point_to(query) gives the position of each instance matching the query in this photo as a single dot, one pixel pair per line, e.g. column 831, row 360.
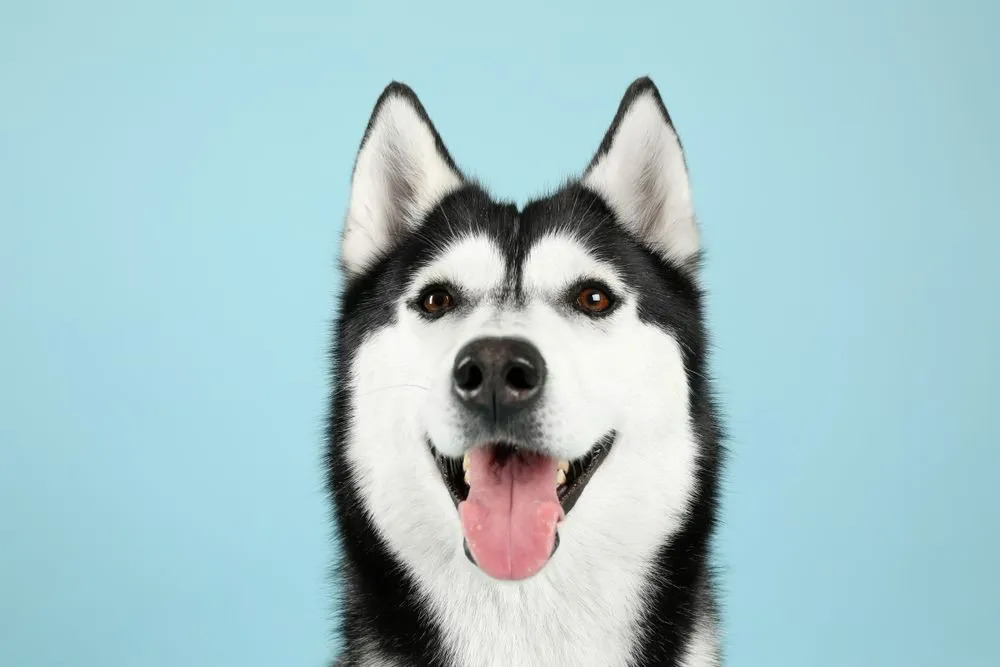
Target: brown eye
column 593, row 300
column 436, row 302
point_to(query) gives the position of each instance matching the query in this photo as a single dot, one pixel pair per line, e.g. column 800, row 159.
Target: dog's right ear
column 640, row 170
column 402, row 171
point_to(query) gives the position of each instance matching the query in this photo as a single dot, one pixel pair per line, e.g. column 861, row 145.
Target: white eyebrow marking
column 474, row 263
column 557, row 261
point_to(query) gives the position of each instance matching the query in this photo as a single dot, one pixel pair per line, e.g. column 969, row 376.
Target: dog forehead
column 474, row 242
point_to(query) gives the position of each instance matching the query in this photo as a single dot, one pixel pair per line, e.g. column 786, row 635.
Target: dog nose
column 498, row 377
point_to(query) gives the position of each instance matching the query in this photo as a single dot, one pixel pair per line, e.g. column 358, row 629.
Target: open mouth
column 510, row 501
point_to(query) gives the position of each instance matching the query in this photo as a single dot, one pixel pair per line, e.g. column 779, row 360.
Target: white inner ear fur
column 399, row 176
column 644, row 179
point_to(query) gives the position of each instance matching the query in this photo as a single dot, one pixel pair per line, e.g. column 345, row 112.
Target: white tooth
column 564, row 466
column 560, row 477
column 466, row 477
column 465, row 463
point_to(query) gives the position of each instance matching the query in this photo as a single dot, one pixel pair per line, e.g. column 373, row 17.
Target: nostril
column 522, row 377
column 497, row 375
column 468, row 376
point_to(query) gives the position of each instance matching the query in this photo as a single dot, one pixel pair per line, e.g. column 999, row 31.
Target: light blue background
column 172, row 182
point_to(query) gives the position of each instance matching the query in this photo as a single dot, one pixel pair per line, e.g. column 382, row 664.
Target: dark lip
column 581, row 471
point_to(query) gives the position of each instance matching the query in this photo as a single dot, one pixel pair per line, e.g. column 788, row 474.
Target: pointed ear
column 640, row 171
column 402, row 172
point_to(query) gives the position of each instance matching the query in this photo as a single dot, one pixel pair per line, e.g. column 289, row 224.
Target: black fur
column 381, row 605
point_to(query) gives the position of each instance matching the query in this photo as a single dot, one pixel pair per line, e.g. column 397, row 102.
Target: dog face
column 517, row 382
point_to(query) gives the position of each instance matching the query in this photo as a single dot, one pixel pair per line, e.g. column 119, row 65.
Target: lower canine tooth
column 560, row 476
column 465, row 463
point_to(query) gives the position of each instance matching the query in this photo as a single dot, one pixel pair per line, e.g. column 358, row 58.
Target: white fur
column 703, row 649
column 473, row 262
column 617, row 373
column 644, row 179
column 398, row 177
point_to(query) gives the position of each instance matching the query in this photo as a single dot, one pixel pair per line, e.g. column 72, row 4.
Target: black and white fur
column 630, row 583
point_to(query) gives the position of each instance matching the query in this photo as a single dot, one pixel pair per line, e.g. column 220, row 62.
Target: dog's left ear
column 640, row 171
column 402, row 171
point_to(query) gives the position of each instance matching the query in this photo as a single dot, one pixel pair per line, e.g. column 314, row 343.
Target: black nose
column 498, row 377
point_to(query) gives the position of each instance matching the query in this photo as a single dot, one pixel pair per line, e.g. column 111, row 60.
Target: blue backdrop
column 172, row 184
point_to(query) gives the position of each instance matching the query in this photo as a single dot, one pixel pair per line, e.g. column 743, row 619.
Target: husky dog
column 523, row 447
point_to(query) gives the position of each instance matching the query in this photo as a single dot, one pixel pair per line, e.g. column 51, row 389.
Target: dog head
column 519, row 383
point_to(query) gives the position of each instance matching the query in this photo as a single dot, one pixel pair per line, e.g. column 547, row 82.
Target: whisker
column 396, row 386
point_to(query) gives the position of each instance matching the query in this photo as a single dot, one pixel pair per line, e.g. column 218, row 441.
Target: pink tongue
column 510, row 516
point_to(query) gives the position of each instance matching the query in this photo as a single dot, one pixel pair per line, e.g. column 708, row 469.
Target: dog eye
column 593, row 300
column 437, row 302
